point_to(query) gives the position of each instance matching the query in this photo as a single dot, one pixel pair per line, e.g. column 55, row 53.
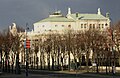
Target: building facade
column 56, row 22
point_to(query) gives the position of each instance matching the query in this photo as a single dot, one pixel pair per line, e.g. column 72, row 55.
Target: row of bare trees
column 60, row 50
column 10, row 48
column 88, row 47
column 91, row 46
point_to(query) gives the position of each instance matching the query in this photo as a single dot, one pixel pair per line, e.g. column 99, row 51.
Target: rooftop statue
column 13, row 29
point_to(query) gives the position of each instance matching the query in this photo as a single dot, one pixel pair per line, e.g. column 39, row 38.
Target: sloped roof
column 87, row 16
column 74, row 16
column 56, row 19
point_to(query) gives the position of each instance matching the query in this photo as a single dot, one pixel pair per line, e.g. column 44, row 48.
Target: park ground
column 59, row 74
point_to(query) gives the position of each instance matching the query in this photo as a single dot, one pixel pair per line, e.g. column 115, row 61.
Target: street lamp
column 27, row 47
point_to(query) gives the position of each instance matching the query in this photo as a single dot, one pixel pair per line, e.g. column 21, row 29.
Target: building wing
column 80, row 16
column 56, row 19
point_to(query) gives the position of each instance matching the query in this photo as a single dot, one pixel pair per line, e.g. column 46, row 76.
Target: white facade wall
column 82, row 25
column 98, row 24
column 41, row 27
column 53, row 26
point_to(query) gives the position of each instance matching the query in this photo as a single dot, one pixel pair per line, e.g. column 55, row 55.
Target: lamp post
column 27, row 46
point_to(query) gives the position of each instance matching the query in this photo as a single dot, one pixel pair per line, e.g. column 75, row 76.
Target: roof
column 59, row 18
column 87, row 16
column 56, row 19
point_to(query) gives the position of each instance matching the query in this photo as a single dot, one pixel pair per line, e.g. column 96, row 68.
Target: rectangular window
column 93, row 25
column 85, row 25
column 55, row 25
column 62, row 25
column 42, row 25
column 90, row 25
column 81, row 25
column 99, row 26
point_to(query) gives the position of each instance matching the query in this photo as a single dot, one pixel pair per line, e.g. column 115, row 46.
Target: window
column 93, row 25
column 81, row 25
column 90, row 25
column 55, row 25
column 69, row 26
column 42, row 25
column 99, row 26
column 85, row 25
column 102, row 24
column 106, row 24
column 62, row 25
column 36, row 39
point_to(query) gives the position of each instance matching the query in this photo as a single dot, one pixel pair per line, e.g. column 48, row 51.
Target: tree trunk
column 58, row 67
column 17, row 64
column 87, row 59
column 41, row 56
column 97, row 64
column 106, row 65
column 52, row 62
column 69, row 60
column 48, row 58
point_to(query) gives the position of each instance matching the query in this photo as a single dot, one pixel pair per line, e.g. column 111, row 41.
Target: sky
column 31, row 11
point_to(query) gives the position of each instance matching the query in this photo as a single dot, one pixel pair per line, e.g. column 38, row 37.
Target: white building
column 56, row 22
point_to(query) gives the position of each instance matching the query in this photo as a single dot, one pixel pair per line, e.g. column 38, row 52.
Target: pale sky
column 31, row 11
